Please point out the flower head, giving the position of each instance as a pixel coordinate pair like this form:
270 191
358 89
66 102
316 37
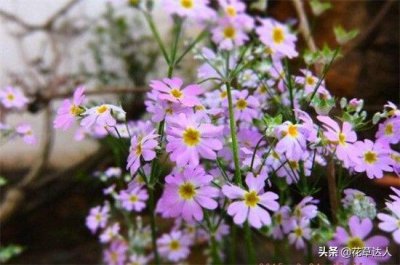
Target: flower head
133 198
251 204
97 217
69 110
115 254
25 131
101 115
391 222
12 97
141 147
174 246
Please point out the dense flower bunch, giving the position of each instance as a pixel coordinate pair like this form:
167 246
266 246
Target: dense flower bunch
243 139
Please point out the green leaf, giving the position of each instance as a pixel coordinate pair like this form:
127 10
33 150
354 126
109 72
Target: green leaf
311 57
318 7
3 181
8 252
343 36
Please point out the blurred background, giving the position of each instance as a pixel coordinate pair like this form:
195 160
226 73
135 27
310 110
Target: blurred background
48 47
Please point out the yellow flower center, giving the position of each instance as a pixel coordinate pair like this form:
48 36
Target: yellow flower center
251 198
133 198
174 245
229 32
278 218
241 104
294 165
187 3
231 11
268 51
75 110
310 80
298 232
10 96
370 157
138 149
275 155
389 129
98 217
278 35
342 139
187 191
176 93
199 107
355 242
297 212
223 94
191 137
292 131
101 109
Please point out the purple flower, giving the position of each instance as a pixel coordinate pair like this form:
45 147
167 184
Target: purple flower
342 139
97 217
133 198
389 131
101 115
235 10
12 97
306 209
357 238
25 131
189 138
293 140
373 159
141 147
197 10
309 82
186 193
110 233
391 222
250 204
246 106
277 37
68 111
281 220
229 34
116 253
113 172
174 246
171 90
301 230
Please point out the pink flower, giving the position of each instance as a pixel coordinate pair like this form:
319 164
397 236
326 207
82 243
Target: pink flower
391 222
342 139
133 198
281 222
97 217
229 34
171 90
12 98
192 9
110 233
301 230
141 147
373 159
115 254
189 138
186 193
246 106
293 141
359 230
68 111
389 131
251 204
277 37
309 82
101 115
174 246
25 131
235 10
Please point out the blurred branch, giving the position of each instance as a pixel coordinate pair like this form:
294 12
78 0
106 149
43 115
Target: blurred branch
15 195
304 28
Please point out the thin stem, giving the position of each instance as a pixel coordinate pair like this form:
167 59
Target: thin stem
191 45
153 227
154 30
332 189
249 245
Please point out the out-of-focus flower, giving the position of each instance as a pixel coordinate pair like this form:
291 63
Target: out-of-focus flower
133 198
115 254
12 97
174 246
98 217
25 131
391 222
101 115
141 147
110 233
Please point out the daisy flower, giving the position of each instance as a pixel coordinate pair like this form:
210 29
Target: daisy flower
301 230
342 138
174 246
190 138
193 9
101 115
391 222
389 131
373 159
142 147
110 233
12 97
134 198
228 34
115 254
235 10
170 89
309 82
292 141
356 238
25 131
69 110
97 217
277 37
186 193
251 204
246 106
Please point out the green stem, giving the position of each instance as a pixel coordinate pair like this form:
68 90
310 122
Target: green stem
214 250
309 253
249 245
232 123
153 227
232 246
154 30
